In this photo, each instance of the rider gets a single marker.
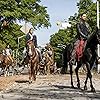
(30, 36)
(49, 50)
(8, 53)
(83, 31)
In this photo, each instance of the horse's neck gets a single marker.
(92, 41)
(33, 49)
(48, 57)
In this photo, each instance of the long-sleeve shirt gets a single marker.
(83, 30)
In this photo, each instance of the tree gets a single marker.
(22, 10)
(88, 7)
(59, 41)
(28, 10)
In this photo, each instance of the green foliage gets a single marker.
(88, 7)
(22, 10)
(29, 10)
(10, 34)
(62, 37)
(59, 40)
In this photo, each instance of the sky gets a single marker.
(58, 10)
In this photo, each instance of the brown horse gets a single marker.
(49, 62)
(33, 61)
(6, 64)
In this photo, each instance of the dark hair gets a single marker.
(30, 29)
(81, 14)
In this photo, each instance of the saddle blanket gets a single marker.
(79, 49)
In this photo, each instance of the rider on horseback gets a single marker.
(49, 50)
(83, 31)
(8, 53)
(32, 37)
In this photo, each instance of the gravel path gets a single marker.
(50, 87)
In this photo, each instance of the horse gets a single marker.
(33, 61)
(48, 63)
(6, 64)
(89, 57)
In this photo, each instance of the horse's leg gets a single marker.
(8, 70)
(90, 77)
(45, 69)
(12, 71)
(85, 86)
(5, 71)
(48, 69)
(71, 73)
(76, 71)
(34, 71)
(37, 69)
(30, 74)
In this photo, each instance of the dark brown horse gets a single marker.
(33, 61)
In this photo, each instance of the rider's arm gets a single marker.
(35, 40)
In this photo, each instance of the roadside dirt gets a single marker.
(47, 87)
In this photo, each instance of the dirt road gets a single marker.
(49, 87)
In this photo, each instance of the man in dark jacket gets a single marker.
(83, 32)
(83, 28)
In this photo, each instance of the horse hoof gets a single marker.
(93, 90)
(72, 86)
(35, 79)
(85, 87)
(30, 81)
(78, 86)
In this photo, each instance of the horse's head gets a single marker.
(31, 48)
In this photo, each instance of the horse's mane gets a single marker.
(92, 38)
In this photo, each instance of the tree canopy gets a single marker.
(28, 10)
(23, 10)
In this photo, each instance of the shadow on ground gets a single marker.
(54, 92)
